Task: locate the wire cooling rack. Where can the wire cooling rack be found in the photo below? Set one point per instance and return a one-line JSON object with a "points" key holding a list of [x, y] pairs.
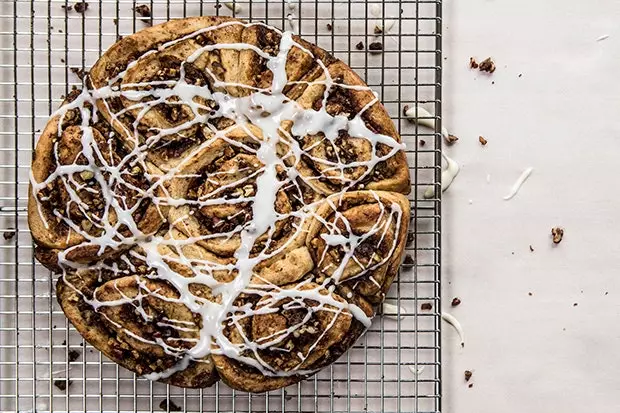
{"points": [[395, 367]]}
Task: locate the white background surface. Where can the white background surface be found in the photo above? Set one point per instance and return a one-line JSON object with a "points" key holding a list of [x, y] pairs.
{"points": [[536, 353]]}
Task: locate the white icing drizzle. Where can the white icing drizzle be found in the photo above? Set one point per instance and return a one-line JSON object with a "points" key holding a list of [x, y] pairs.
{"points": [[124, 231], [423, 117], [391, 311], [519, 182], [450, 319], [447, 176], [234, 6]]}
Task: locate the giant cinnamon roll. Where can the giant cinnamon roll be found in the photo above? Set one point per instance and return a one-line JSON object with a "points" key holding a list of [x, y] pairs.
{"points": [[222, 200]]}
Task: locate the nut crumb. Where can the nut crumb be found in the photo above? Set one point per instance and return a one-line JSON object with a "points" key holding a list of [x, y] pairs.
{"points": [[575, 304], [143, 10], [8, 235], [410, 237], [426, 307], [408, 260], [360, 46], [81, 6], [470, 385], [169, 405], [530, 294], [472, 63], [456, 301], [487, 65], [468, 375], [422, 142], [329, 27], [378, 30], [558, 234], [531, 249], [482, 140], [80, 73], [62, 384], [375, 47], [451, 139], [73, 355]]}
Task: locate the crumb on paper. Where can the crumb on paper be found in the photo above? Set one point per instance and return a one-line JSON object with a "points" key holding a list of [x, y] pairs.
{"points": [[143, 10], [81, 6], [169, 405], [530, 294], [482, 140], [472, 63], [67, 7], [451, 139], [520, 74], [456, 301], [329, 27], [422, 142], [73, 355], [487, 65], [408, 260], [375, 47], [558, 234], [468, 374], [62, 384], [360, 46], [531, 249], [384, 27], [470, 385], [8, 235], [426, 307]]}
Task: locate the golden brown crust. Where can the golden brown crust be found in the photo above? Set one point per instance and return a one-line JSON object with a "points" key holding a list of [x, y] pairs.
{"points": [[309, 293]]}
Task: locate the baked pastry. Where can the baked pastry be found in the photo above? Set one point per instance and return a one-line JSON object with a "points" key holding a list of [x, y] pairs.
{"points": [[223, 201]]}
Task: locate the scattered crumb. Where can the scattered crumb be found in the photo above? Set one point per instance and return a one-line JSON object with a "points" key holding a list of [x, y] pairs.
{"points": [[422, 142], [405, 110], [487, 65], [513, 253], [67, 7], [531, 249], [468, 375], [575, 304], [606, 292], [378, 30], [451, 139], [81, 6], [143, 10], [493, 82], [115, 21], [8, 235], [558, 234], [375, 47], [64, 342], [217, 6], [520, 74], [482, 140], [329, 27], [456, 301], [360, 46], [73, 355], [472, 63], [169, 405], [530, 294], [62, 384], [426, 306], [80, 73], [62, 60], [408, 260], [470, 385]]}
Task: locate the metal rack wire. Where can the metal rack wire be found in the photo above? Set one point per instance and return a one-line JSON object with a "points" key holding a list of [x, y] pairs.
{"points": [[395, 367]]}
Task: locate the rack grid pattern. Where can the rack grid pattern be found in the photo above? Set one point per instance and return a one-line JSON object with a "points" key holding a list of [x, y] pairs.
{"points": [[395, 367]]}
